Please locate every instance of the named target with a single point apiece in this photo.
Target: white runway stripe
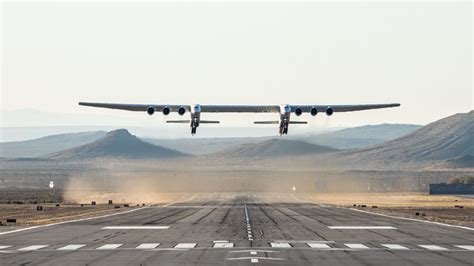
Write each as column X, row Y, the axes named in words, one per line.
column 109, row 246
column 71, row 247
column 4, row 247
column 362, row 227
column 186, row 245
column 147, row 246
column 357, row 246
column 280, row 245
column 395, row 246
column 468, row 247
column 159, row 227
column 318, row 245
column 223, row 245
column 33, row 247
column 433, row 247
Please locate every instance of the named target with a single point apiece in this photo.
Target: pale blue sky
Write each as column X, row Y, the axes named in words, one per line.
column 418, row 54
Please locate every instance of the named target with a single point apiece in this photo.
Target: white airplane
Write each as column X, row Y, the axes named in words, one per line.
column 196, row 110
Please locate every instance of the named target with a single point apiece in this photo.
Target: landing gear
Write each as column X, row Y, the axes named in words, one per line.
column 284, row 126
column 194, row 125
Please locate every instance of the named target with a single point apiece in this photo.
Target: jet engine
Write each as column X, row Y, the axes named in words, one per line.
column 150, row 110
column 166, row 110
column 298, row 111
column 329, row 111
column 314, row 111
column 181, row 110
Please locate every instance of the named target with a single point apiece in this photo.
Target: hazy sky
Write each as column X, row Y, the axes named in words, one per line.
column 418, row 54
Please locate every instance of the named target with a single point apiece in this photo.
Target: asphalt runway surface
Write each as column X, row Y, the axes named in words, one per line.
column 240, row 229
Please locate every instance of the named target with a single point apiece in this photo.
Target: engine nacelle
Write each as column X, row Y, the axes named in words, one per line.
column 181, row 110
column 329, row 111
column 298, row 111
column 314, row 111
column 150, row 110
column 166, row 110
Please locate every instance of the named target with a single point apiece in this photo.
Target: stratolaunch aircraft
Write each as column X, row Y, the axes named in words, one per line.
column 196, row 110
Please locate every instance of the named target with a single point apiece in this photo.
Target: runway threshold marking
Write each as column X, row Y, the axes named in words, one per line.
column 280, row 245
column 147, row 246
column 433, row 247
column 71, row 247
column 223, row 245
column 33, row 247
column 356, row 246
column 467, row 247
column 362, row 227
column 186, row 245
column 318, row 245
column 109, row 246
column 395, row 246
column 137, row 227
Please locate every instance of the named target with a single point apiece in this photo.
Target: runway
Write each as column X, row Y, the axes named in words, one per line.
column 240, row 229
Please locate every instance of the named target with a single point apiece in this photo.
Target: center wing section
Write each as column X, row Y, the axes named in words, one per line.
column 240, row 108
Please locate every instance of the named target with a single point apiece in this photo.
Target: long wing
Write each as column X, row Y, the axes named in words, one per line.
column 240, row 108
column 136, row 107
column 344, row 108
column 174, row 107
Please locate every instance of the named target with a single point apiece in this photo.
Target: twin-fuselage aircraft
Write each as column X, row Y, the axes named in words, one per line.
column 195, row 111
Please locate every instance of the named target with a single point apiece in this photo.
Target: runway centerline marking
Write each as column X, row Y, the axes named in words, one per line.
column 71, row 247
column 33, row 247
column 137, row 227
column 370, row 227
column 247, row 221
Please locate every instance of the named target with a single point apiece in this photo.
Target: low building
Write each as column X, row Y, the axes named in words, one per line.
column 457, row 189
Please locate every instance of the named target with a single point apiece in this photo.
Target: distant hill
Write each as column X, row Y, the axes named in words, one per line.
column 363, row 136
column 445, row 139
column 465, row 161
column 47, row 145
column 118, row 144
column 274, row 148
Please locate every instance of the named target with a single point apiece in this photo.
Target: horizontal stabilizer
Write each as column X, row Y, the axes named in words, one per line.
column 178, row 121
column 298, row 122
column 208, row 122
column 266, row 122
